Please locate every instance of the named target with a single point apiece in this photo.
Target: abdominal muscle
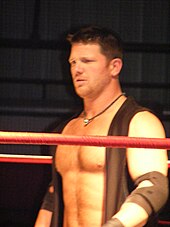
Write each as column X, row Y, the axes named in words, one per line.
column 83, row 188
column 82, row 169
column 83, row 175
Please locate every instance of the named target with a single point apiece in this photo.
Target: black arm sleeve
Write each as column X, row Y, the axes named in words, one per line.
column 151, row 198
column 48, row 200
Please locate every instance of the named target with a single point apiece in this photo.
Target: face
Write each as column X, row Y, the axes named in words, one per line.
column 90, row 70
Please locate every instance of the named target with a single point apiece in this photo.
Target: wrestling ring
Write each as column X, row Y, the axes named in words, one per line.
column 32, row 138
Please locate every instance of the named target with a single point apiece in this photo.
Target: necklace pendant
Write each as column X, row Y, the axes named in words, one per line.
column 86, row 121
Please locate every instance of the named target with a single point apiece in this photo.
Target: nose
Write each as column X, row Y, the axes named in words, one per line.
column 78, row 67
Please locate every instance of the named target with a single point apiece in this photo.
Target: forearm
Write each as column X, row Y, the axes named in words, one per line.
column 43, row 218
column 147, row 199
column 132, row 214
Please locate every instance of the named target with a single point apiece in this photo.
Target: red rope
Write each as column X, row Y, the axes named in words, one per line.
column 30, row 159
column 100, row 141
column 54, row 139
column 164, row 222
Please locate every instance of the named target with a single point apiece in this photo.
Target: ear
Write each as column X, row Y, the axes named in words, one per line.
column 116, row 66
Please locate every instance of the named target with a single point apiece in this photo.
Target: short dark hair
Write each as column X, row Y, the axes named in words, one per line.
column 109, row 41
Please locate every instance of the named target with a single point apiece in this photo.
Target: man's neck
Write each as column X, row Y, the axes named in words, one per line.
column 95, row 106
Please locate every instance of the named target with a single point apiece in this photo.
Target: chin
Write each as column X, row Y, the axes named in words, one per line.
column 81, row 93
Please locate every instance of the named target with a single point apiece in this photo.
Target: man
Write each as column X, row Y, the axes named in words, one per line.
column 90, row 184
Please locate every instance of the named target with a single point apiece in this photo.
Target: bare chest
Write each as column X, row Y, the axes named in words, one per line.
column 75, row 158
column 82, row 158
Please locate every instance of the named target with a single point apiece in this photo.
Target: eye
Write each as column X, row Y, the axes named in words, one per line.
column 85, row 60
column 73, row 62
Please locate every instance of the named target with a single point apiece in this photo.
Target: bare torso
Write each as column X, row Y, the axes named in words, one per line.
column 83, row 173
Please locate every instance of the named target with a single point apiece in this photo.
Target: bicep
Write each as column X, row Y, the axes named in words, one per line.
column 143, row 160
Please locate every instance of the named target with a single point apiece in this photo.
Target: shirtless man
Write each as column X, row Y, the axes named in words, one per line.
column 96, row 61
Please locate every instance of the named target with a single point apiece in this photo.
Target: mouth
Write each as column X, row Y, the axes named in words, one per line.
column 79, row 81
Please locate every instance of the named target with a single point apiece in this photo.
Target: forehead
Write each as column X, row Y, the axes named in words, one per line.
column 81, row 49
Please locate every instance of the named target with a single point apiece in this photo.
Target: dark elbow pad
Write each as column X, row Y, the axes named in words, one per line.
column 48, row 201
column 151, row 198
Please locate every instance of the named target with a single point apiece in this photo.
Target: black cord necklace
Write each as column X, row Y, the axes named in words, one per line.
column 88, row 120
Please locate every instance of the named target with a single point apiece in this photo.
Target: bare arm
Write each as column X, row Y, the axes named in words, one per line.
column 140, row 162
column 43, row 218
column 45, row 213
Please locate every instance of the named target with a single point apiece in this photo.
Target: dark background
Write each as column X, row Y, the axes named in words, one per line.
column 35, row 86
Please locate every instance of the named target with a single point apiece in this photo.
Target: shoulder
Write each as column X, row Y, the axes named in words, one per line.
column 146, row 124
column 140, row 161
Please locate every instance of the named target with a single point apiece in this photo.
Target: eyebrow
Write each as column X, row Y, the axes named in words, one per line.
column 71, row 59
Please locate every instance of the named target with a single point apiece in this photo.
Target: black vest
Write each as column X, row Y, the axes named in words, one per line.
column 117, row 178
